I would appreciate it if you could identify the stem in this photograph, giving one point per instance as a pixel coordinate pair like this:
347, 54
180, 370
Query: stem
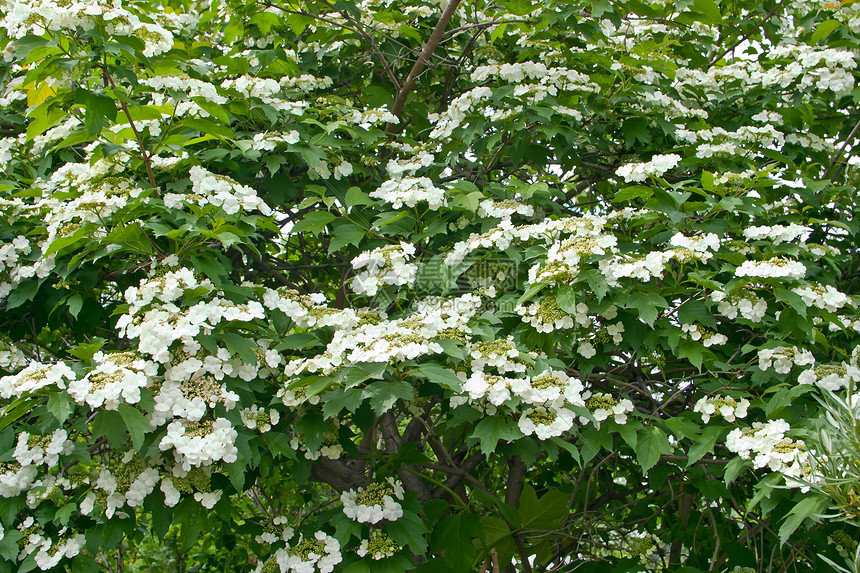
143, 153
423, 60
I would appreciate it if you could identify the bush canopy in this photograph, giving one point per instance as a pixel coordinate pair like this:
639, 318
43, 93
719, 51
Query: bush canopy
523, 285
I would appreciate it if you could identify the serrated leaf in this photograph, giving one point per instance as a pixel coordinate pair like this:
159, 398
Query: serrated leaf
383, 395
136, 423
824, 29
453, 537
703, 444
494, 428
734, 468
652, 443
315, 222
409, 531
808, 508
60, 405
334, 402
566, 299
696, 311
441, 376
646, 304
345, 233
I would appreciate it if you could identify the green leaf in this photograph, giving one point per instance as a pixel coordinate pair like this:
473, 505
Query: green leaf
823, 30
704, 444
442, 376
785, 396
494, 428
409, 531
692, 351
792, 299
544, 513
357, 374
646, 304
383, 395
110, 424
315, 222
696, 311
734, 468
636, 192
531, 292
453, 537
355, 197
653, 443
345, 233
334, 402
60, 405
86, 351
100, 109
808, 508
566, 299
136, 422
75, 302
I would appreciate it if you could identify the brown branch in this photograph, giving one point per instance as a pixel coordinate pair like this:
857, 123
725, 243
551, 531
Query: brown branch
423, 60
143, 153
835, 159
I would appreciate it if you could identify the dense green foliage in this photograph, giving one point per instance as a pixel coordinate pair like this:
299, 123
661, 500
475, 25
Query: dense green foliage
525, 285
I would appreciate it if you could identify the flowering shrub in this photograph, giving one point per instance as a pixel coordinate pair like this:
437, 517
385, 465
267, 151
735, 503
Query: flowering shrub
524, 285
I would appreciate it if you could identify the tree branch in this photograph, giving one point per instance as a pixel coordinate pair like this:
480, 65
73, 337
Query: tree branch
423, 60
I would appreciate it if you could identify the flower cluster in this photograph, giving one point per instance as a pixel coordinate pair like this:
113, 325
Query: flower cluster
319, 554
373, 503
221, 191
725, 406
782, 358
410, 191
378, 546
384, 266
659, 164
740, 301
767, 446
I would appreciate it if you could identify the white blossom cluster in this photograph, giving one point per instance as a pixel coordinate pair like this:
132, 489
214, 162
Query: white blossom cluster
35, 376
782, 358
831, 377
48, 553
602, 405
319, 554
384, 266
725, 406
548, 231
824, 297
197, 444
776, 267
697, 243
767, 446
221, 191
410, 191
116, 378
373, 503
378, 546
504, 209
659, 165
380, 340
256, 418
36, 450
38, 16
546, 316
778, 233
705, 336
740, 301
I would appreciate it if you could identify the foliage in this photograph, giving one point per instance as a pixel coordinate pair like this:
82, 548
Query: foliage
525, 285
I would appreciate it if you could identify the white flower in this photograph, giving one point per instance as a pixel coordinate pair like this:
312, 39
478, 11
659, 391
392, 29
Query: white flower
374, 503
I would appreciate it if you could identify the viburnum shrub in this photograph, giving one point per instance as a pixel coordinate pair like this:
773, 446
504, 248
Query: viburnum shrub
525, 285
